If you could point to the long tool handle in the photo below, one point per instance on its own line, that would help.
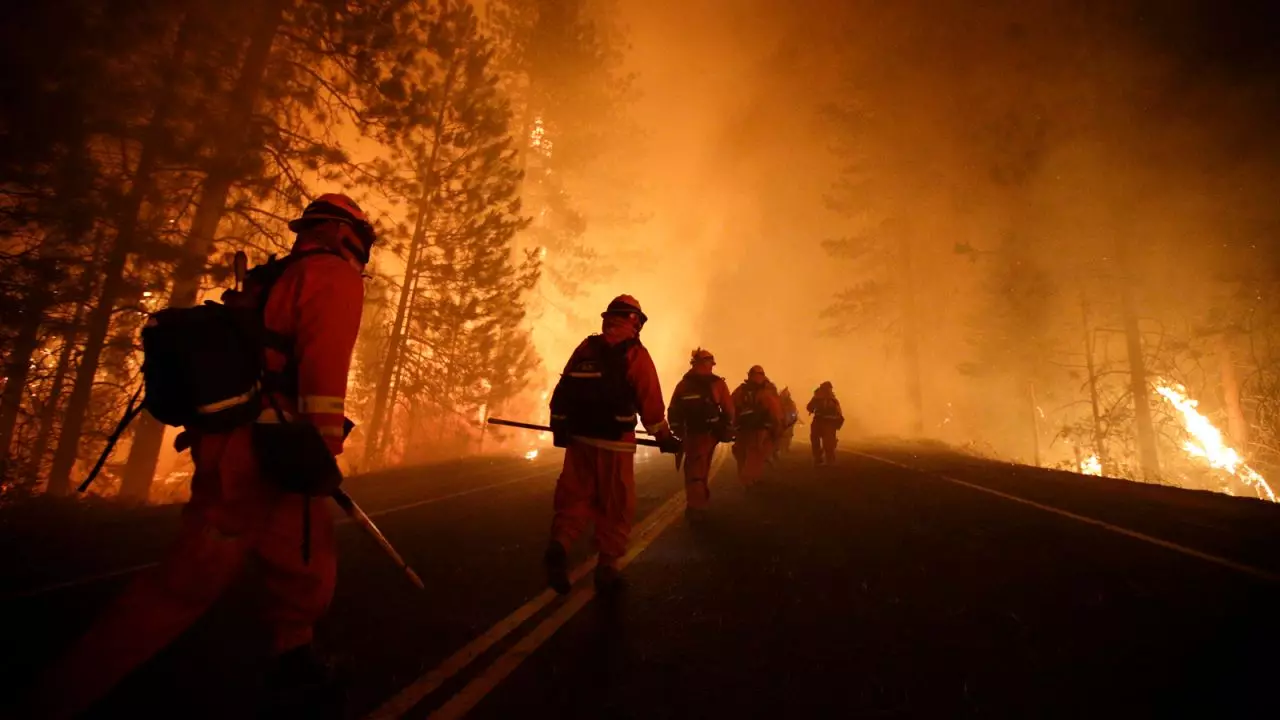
(353, 510)
(530, 426)
(130, 413)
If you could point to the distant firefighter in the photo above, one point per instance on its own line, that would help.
(702, 415)
(790, 415)
(828, 418)
(608, 380)
(759, 424)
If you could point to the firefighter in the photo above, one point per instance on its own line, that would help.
(828, 418)
(758, 416)
(790, 415)
(608, 381)
(702, 415)
(235, 512)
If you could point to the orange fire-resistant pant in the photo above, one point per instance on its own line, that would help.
(822, 436)
(596, 485)
(699, 448)
(752, 450)
(233, 514)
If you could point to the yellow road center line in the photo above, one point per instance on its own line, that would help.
(480, 686)
(1190, 552)
(416, 692)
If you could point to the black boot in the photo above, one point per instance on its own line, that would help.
(303, 685)
(609, 582)
(556, 561)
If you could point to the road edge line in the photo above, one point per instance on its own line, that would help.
(1168, 545)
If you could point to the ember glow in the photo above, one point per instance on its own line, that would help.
(1091, 466)
(531, 455)
(1205, 441)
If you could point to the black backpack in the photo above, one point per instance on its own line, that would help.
(752, 414)
(696, 411)
(594, 398)
(203, 366)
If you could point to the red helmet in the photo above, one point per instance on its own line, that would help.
(626, 305)
(339, 208)
(755, 369)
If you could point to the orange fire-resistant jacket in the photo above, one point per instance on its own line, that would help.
(643, 378)
(766, 396)
(317, 303)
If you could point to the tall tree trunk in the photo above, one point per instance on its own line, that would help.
(381, 408)
(1147, 453)
(144, 453)
(383, 400)
(393, 393)
(19, 365)
(99, 320)
(1237, 427)
(1035, 423)
(50, 409)
(1099, 440)
(910, 336)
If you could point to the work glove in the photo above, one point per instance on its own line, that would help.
(670, 444)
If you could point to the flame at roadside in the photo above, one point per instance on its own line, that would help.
(1205, 441)
(1091, 466)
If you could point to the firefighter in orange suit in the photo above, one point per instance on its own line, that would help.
(828, 418)
(235, 512)
(759, 424)
(608, 381)
(790, 414)
(702, 415)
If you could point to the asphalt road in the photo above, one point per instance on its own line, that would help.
(913, 584)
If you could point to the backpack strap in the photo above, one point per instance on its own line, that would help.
(285, 380)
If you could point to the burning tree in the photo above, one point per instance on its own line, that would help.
(454, 341)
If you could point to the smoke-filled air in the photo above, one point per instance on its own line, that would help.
(639, 359)
(1041, 232)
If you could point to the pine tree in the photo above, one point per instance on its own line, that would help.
(290, 90)
(453, 163)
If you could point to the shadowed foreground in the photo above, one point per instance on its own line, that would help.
(867, 589)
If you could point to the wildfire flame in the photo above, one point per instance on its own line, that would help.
(538, 138)
(1091, 466)
(531, 455)
(1205, 441)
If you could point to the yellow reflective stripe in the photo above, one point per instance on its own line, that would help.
(585, 374)
(330, 430)
(659, 427)
(324, 404)
(228, 403)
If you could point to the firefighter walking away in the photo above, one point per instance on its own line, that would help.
(702, 415)
(828, 418)
(790, 416)
(608, 381)
(257, 484)
(759, 425)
